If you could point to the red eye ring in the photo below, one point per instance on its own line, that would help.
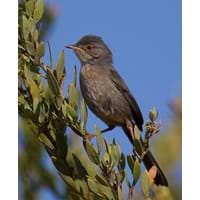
(89, 47)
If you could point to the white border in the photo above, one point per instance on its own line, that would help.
(191, 99)
(8, 100)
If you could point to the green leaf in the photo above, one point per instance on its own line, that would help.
(81, 171)
(44, 139)
(163, 193)
(92, 185)
(122, 162)
(30, 47)
(73, 96)
(39, 53)
(40, 50)
(83, 114)
(62, 166)
(36, 35)
(137, 133)
(34, 89)
(52, 82)
(84, 190)
(115, 153)
(120, 176)
(91, 152)
(69, 112)
(30, 7)
(70, 182)
(138, 146)
(130, 163)
(136, 171)
(106, 159)
(25, 27)
(32, 27)
(38, 12)
(101, 180)
(35, 104)
(61, 141)
(59, 101)
(107, 192)
(27, 73)
(99, 139)
(146, 185)
(60, 67)
(43, 112)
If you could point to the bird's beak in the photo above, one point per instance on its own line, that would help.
(73, 47)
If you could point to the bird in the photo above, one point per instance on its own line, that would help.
(107, 95)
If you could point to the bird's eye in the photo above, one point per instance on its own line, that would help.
(89, 47)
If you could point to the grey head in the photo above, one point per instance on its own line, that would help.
(92, 49)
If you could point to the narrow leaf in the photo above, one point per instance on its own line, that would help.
(130, 163)
(44, 139)
(40, 50)
(70, 182)
(138, 146)
(81, 171)
(62, 147)
(136, 170)
(99, 139)
(36, 35)
(115, 153)
(53, 84)
(92, 185)
(83, 114)
(122, 162)
(73, 96)
(146, 185)
(30, 7)
(69, 112)
(30, 47)
(91, 152)
(60, 68)
(25, 27)
(137, 133)
(101, 180)
(35, 104)
(38, 12)
(34, 89)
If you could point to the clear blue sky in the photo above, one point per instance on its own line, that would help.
(145, 38)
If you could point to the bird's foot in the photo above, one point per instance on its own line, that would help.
(89, 136)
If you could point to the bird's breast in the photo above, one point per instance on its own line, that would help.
(101, 96)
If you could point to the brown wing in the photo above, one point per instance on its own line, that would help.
(122, 87)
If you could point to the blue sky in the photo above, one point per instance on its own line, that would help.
(145, 38)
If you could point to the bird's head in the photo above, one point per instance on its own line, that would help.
(92, 48)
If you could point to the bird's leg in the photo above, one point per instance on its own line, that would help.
(130, 127)
(89, 136)
(107, 129)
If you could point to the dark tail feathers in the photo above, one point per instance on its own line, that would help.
(149, 161)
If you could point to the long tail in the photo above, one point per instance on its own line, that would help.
(149, 161)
